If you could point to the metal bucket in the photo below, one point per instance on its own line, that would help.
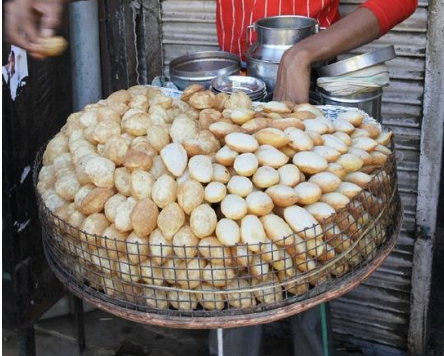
(274, 36)
(370, 102)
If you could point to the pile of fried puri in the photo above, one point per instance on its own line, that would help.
(210, 192)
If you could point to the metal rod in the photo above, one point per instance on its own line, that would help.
(80, 323)
(220, 342)
(85, 53)
(324, 329)
(26, 341)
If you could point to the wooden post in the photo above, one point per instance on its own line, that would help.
(149, 41)
(131, 51)
(429, 178)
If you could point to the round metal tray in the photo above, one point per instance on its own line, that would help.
(362, 61)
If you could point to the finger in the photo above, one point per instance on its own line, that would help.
(302, 97)
(282, 80)
(13, 32)
(298, 98)
(35, 48)
(14, 36)
(50, 18)
(285, 94)
(301, 94)
(278, 94)
(30, 30)
(36, 55)
(279, 90)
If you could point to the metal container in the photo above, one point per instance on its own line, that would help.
(249, 85)
(355, 63)
(255, 88)
(370, 102)
(202, 67)
(257, 97)
(274, 36)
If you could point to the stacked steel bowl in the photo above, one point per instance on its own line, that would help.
(255, 88)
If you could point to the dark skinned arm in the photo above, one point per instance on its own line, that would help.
(293, 81)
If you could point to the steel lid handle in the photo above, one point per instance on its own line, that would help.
(319, 28)
(247, 34)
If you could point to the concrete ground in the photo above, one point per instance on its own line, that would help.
(107, 335)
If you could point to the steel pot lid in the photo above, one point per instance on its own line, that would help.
(205, 65)
(231, 83)
(362, 61)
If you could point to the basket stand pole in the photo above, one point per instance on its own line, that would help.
(80, 323)
(26, 341)
(220, 342)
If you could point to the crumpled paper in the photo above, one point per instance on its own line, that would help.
(360, 81)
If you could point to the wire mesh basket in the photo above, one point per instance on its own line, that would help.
(208, 285)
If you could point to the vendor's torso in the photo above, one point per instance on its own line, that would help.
(233, 17)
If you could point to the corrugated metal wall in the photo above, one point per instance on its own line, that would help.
(377, 311)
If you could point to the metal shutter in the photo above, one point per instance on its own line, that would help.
(377, 311)
(187, 27)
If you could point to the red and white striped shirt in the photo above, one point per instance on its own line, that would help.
(233, 16)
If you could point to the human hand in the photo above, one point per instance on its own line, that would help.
(29, 20)
(354, 30)
(293, 79)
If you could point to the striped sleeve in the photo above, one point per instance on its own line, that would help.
(390, 13)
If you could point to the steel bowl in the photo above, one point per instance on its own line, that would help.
(202, 67)
(258, 97)
(251, 95)
(249, 85)
(238, 89)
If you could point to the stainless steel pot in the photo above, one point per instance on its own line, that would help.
(202, 67)
(370, 101)
(274, 36)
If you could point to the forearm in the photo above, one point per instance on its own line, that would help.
(293, 80)
(354, 30)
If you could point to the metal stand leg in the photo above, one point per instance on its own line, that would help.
(80, 323)
(26, 340)
(311, 331)
(220, 342)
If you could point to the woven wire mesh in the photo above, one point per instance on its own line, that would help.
(210, 281)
